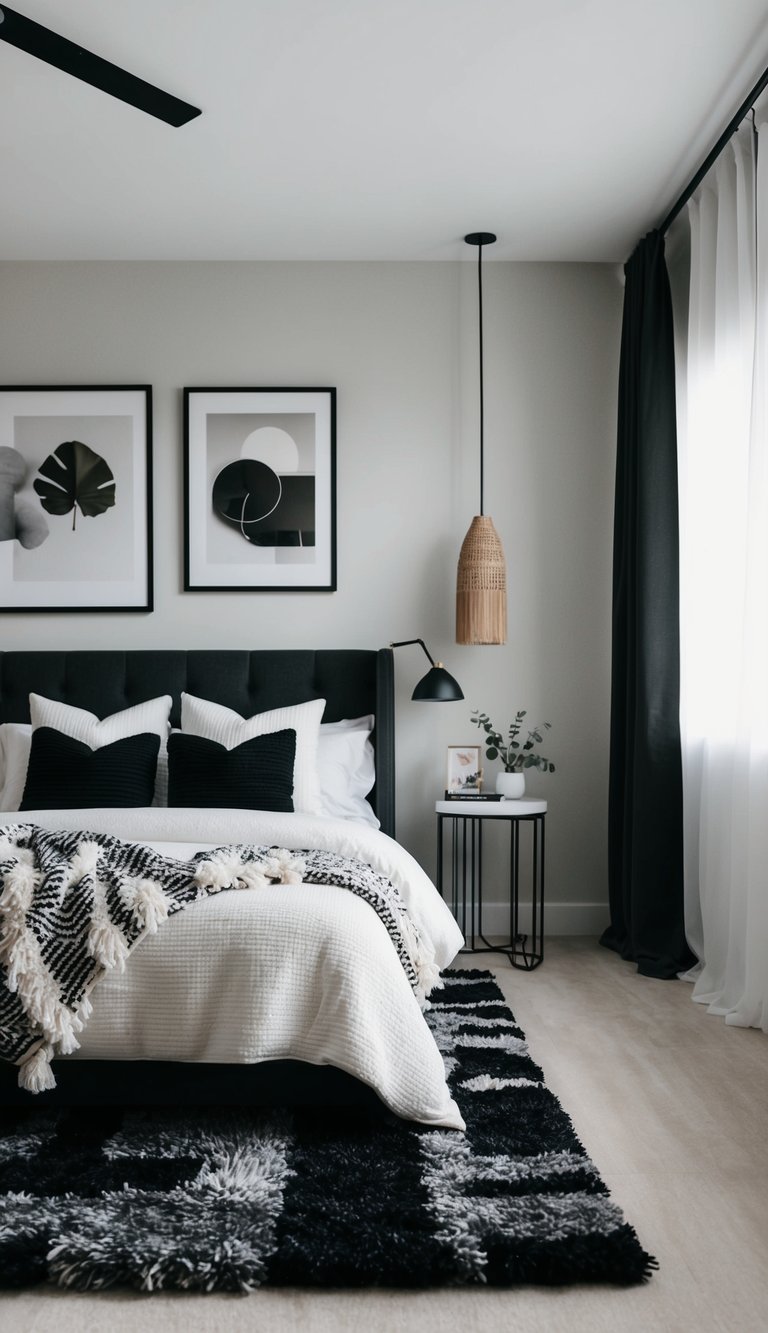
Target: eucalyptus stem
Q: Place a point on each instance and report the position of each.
(514, 754)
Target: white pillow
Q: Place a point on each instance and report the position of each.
(346, 769)
(16, 740)
(80, 725)
(214, 722)
(161, 772)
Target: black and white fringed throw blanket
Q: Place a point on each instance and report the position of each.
(74, 905)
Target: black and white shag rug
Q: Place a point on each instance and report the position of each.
(228, 1200)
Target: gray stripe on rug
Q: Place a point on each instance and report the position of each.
(221, 1222)
(466, 1220)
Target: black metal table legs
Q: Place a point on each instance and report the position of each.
(525, 948)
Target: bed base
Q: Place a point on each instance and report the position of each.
(168, 1083)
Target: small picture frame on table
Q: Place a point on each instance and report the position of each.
(464, 772)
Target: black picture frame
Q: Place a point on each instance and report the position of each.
(116, 536)
(278, 444)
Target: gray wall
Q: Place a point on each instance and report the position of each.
(399, 343)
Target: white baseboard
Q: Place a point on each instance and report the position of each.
(559, 918)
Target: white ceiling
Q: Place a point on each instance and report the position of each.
(369, 129)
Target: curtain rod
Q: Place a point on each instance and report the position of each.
(728, 132)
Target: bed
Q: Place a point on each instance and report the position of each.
(303, 999)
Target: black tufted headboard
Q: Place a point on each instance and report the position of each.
(353, 681)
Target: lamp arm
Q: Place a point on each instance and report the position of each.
(403, 643)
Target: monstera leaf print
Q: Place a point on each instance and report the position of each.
(73, 477)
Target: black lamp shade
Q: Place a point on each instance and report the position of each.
(438, 686)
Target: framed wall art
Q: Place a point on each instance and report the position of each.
(76, 498)
(260, 490)
(464, 771)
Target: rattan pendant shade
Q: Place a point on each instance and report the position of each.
(481, 581)
(481, 585)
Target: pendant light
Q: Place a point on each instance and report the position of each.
(481, 583)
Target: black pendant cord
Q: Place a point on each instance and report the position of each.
(482, 414)
(481, 238)
(730, 129)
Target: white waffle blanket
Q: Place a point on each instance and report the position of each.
(303, 972)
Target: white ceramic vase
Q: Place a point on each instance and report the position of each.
(511, 785)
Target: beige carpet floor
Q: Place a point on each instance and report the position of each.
(672, 1106)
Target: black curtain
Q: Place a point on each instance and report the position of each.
(645, 817)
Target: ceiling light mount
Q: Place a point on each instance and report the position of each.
(480, 237)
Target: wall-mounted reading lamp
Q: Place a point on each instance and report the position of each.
(438, 686)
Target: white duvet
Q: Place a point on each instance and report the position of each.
(303, 972)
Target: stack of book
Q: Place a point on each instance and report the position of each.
(473, 796)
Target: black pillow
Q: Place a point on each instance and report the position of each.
(68, 775)
(257, 775)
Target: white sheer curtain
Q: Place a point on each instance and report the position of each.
(723, 451)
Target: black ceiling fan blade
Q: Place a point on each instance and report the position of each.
(73, 59)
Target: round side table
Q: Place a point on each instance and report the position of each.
(465, 821)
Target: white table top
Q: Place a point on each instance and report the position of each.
(506, 809)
